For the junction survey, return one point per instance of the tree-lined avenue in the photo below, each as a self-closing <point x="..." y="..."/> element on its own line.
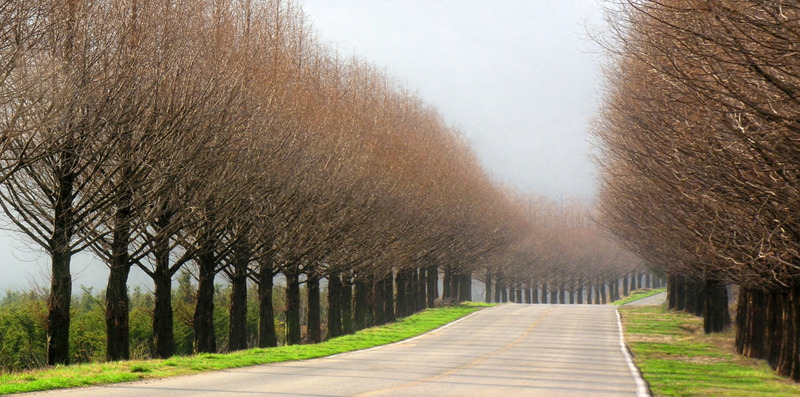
<point x="509" y="350"/>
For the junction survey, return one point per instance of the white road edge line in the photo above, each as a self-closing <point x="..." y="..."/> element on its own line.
<point x="409" y="339"/>
<point x="641" y="386"/>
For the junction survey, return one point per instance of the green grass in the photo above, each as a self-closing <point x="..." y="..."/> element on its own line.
<point x="638" y="294"/>
<point x="123" y="371"/>
<point x="677" y="359"/>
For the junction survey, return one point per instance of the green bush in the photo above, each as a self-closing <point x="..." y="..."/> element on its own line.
<point x="23" y="318"/>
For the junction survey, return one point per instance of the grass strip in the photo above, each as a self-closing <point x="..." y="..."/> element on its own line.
<point x="124" y="371"/>
<point x="678" y="359"/>
<point x="638" y="294"/>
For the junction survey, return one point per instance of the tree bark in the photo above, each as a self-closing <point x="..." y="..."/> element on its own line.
<point x="293" y="335"/>
<point x="388" y="299"/>
<point x="117" y="320"/>
<point x="680" y="293"/>
<point x="488" y="285"/>
<point x="447" y="290"/>
<point x="163" y="333"/>
<point x="58" y="303"/>
<point x="378" y="305"/>
<point x="361" y="303"/>
<point x="465" y="287"/>
<point x="313" y="323"/>
<point x="347" y="306"/>
<point x="204" y="339"/>
<point x="625" y="285"/>
<point x="528" y="296"/>
<point x="603" y="297"/>
<point x="334" y="305"/>
<point x="267" y="335"/>
<point x="432" y="288"/>
<point x="498" y="285"/>
<point x="716" y="317"/>
<point x="237" y="323"/>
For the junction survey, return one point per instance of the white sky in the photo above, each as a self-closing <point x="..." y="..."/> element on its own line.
<point x="519" y="78"/>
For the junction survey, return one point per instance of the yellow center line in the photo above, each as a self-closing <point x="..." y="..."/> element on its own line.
<point x="465" y="366"/>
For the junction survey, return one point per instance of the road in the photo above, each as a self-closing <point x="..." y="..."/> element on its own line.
<point x="654" y="300"/>
<point x="508" y="350"/>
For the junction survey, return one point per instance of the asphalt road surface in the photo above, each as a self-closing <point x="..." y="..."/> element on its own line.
<point x="508" y="350"/>
<point x="654" y="300"/>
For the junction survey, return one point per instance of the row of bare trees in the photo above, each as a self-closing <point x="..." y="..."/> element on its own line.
<point x="560" y="256"/>
<point x="222" y="137"/>
<point x="700" y="159"/>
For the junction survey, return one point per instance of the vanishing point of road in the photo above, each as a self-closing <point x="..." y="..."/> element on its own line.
<point x="507" y="350"/>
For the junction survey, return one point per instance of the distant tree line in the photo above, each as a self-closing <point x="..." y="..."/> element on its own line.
<point x="701" y="160"/>
<point x="561" y="256"/>
<point x="220" y="136"/>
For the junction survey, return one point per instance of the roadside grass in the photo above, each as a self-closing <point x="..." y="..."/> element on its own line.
<point x="678" y="359"/>
<point x="638" y="294"/>
<point x="124" y="371"/>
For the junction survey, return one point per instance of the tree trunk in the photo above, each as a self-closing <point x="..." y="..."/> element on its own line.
<point x="237" y="324"/>
<point x="58" y="303"/>
<point x="117" y="320"/>
<point x="534" y="292"/>
<point x="293" y="335"/>
<point x="347" y="306"/>
<point x="488" y="285"/>
<point x="695" y="298"/>
<point x="528" y="296"/>
<point x="267" y="335"/>
<point x="388" y="299"/>
<point x="432" y="288"/>
<point x="672" y="292"/>
<point x="400" y="287"/>
<point x="716" y="317"/>
<point x="498" y="285"/>
<point x="334" y="305"/>
<point x="313" y="322"/>
<point x="571" y="292"/>
<point x="204" y="339"/>
<point x="544" y="292"/>
<point x="788" y="357"/>
<point x="163" y="334"/>
<point x="680" y="293"/>
<point x="378" y="305"/>
<point x="603" y="296"/>
<point x="625" y="286"/>
<point x="447" y="290"/>
<point x="751" y="323"/>
<point x="422" y="294"/>
<point x="775" y="314"/>
<point x="465" y="287"/>
<point x="362" y="304"/>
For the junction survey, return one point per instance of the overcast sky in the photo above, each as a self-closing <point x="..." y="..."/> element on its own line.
<point x="520" y="79"/>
